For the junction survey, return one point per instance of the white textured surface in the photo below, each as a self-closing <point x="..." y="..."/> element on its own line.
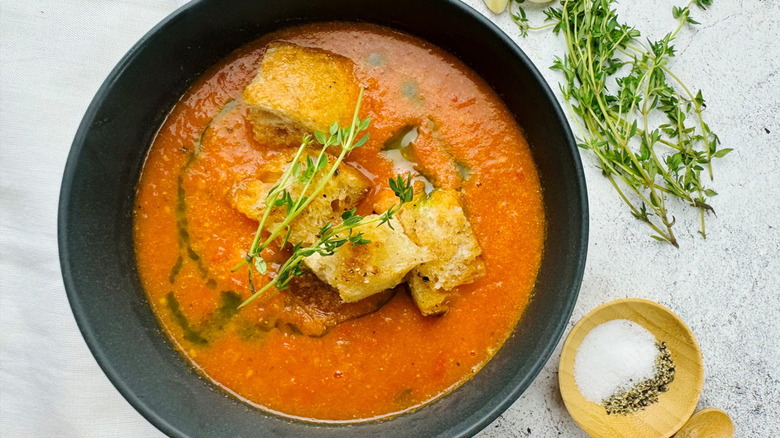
<point x="55" y="54"/>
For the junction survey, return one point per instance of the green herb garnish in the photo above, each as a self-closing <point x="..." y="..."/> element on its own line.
<point x="646" y="161"/>
<point x="331" y="236"/>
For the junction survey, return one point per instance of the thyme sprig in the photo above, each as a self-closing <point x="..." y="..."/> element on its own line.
<point x="306" y="172"/>
<point x="646" y="161"/>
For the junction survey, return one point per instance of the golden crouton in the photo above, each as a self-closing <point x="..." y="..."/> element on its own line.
<point x="364" y="270"/>
<point x="273" y="131"/>
<point x="299" y="90"/>
<point x="430" y="301"/>
<point x="341" y="193"/>
<point x="438" y="224"/>
<point x="313" y="307"/>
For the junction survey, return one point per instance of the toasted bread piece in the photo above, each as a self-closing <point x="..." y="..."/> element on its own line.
<point x="438" y="224"/>
<point x="273" y="131"/>
<point x="341" y="193"/>
<point x="299" y="90"/>
<point x="364" y="270"/>
<point x="429" y="300"/>
<point x="313" y="307"/>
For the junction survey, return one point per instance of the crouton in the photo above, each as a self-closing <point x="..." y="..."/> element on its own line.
<point x="429" y="300"/>
<point x="273" y="131"/>
<point x="364" y="270"/>
<point x="313" y="307"/>
<point x="341" y="193"/>
<point x="438" y="224"/>
<point x="299" y="90"/>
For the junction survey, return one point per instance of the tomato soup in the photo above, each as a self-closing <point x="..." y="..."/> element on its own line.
<point x="392" y="359"/>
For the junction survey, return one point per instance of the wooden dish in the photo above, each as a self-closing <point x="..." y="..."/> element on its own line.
<point x="674" y="407"/>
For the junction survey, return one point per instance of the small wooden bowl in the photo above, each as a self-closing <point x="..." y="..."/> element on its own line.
<point x="674" y="407"/>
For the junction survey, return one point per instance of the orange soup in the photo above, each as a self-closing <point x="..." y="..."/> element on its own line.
<point x="385" y="357"/>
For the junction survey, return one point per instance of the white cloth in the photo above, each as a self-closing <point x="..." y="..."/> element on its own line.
<point x="53" y="57"/>
<point x="54" y="54"/>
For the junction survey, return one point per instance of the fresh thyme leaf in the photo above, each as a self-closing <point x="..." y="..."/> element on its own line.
<point x="402" y="188"/>
<point x="297" y="169"/>
<point x="323" y="161"/>
<point x="320" y="137"/>
<point x="260" y="265"/>
<point x="362" y="141"/>
<point x="404" y="191"/>
<point x="358" y="239"/>
<point x="364" y="124"/>
<point x="722" y="153"/>
<point x="646" y="162"/>
<point x="286" y="239"/>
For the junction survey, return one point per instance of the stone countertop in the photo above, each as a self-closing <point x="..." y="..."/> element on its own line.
<point x="55" y="55"/>
<point x="727" y="287"/>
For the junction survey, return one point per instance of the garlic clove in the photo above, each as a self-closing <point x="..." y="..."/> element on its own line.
<point x="497" y="6"/>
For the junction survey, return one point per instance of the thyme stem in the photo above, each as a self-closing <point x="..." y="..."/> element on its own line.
<point x="647" y="162"/>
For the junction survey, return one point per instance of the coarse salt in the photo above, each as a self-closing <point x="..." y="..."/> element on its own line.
<point x="613" y="357"/>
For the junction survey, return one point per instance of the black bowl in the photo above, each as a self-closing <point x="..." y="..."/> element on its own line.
<point x="96" y="203"/>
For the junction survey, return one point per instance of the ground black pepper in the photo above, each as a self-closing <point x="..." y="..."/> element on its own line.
<point x="646" y="392"/>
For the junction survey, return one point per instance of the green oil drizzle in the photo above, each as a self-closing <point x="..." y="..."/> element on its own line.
<point x="190" y="334"/>
<point x="213" y="326"/>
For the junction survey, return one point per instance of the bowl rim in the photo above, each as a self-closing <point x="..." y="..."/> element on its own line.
<point x="69" y="173"/>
